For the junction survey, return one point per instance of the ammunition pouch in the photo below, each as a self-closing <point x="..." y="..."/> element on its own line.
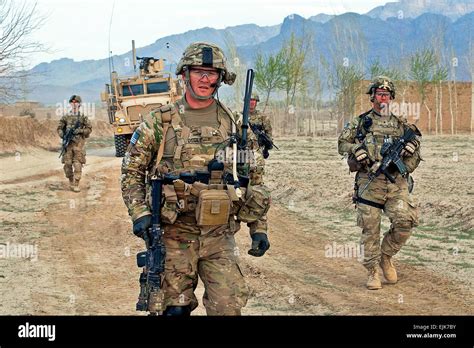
<point x="169" y="212"/>
<point x="211" y="204"/>
<point x="213" y="208"/>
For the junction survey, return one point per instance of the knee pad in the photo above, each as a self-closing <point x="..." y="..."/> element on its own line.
<point x="402" y="226"/>
<point x="177" y="311"/>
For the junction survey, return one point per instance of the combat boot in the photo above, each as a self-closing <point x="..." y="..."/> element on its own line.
<point x="373" y="281"/>
<point x="389" y="271"/>
<point x="75" y="186"/>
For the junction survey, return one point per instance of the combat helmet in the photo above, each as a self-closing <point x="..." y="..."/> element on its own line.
<point x="75" y="98"/>
<point x="382" y="82"/>
<point x="255" y="96"/>
<point x="206" y="55"/>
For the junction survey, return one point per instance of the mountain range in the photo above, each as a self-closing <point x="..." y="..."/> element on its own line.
<point x="383" y="34"/>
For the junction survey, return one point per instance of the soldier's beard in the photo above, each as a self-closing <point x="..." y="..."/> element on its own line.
<point x="382" y="108"/>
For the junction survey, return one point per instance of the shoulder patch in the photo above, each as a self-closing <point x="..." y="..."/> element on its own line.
<point x="135" y="137"/>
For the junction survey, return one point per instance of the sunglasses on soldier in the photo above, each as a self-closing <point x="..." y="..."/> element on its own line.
<point x="382" y="94"/>
<point x="200" y="73"/>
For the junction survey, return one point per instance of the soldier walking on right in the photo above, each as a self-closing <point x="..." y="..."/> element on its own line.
<point x="362" y="140"/>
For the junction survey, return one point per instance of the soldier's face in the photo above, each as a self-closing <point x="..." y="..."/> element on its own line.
<point x="253" y="104"/>
<point x="382" y="99"/>
<point x="75" y="106"/>
<point x="203" y="80"/>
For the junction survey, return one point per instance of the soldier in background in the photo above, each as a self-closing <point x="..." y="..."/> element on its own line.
<point x="362" y="140"/>
<point x="182" y="139"/>
<point x="259" y="118"/>
<point x="75" y="154"/>
<point x="262" y="121"/>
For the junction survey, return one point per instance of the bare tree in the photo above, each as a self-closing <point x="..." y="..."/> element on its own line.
<point x="376" y="69"/>
<point x="425" y="70"/>
<point x="470" y="64"/>
<point x="237" y="66"/>
<point x="349" y="54"/>
<point x="295" y="52"/>
<point x="18" y="21"/>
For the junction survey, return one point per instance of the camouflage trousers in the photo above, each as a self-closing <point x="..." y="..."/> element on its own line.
<point x="400" y="208"/>
<point x="257" y="173"/>
<point x="74" y="158"/>
<point x="211" y="254"/>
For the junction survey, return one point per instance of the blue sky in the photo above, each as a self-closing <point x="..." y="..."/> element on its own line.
<point x="79" y="29"/>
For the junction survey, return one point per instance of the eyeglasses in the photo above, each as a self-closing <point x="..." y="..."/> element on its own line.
<point x="382" y="94"/>
<point x="211" y="74"/>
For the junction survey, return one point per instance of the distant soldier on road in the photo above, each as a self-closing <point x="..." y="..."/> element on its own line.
<point x="74" y="128"/>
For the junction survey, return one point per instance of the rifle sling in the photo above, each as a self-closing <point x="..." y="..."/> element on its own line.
<point x="367" y="202"/>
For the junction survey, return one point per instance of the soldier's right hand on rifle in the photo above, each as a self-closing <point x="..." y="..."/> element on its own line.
<point x="141" y="226"/>
<point x="410" y="148"/>
<point x="361" y="154"/>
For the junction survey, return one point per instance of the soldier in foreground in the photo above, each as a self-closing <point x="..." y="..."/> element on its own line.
<point x="200" y="213"/>
<point x="73" y="129"/>
<point x="366" y="140"/>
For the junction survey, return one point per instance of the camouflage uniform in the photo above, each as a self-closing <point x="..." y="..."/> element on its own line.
<point x="393" y="198"/>
<point x="258" y="118"/>
<point x="191" y="139"/>
<point x="75" y="155"/>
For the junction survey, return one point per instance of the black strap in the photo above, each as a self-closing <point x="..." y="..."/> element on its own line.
<point x="372" y="204"/>
<point x="359" y="135"/>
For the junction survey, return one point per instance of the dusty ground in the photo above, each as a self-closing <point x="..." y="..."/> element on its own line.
<point x="86" y="252"/>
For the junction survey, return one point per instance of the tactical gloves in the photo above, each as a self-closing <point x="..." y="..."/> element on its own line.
<point x="410" y="148"/>
<point x="360" y="154"/>
<point x="78" y="131"/>
<point x="141" y="226"/>
<point x="260" y="244"/>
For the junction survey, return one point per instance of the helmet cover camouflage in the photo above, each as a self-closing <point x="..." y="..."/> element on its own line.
<point x="381" y="82"/>
<point x="75" y="98"/>
<point x="207" y="55"/>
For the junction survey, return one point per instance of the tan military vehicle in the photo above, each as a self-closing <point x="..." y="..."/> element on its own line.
<point x="130" y="98"/>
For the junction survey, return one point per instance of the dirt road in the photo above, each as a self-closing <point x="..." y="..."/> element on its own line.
<point x="85" y="259"/>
